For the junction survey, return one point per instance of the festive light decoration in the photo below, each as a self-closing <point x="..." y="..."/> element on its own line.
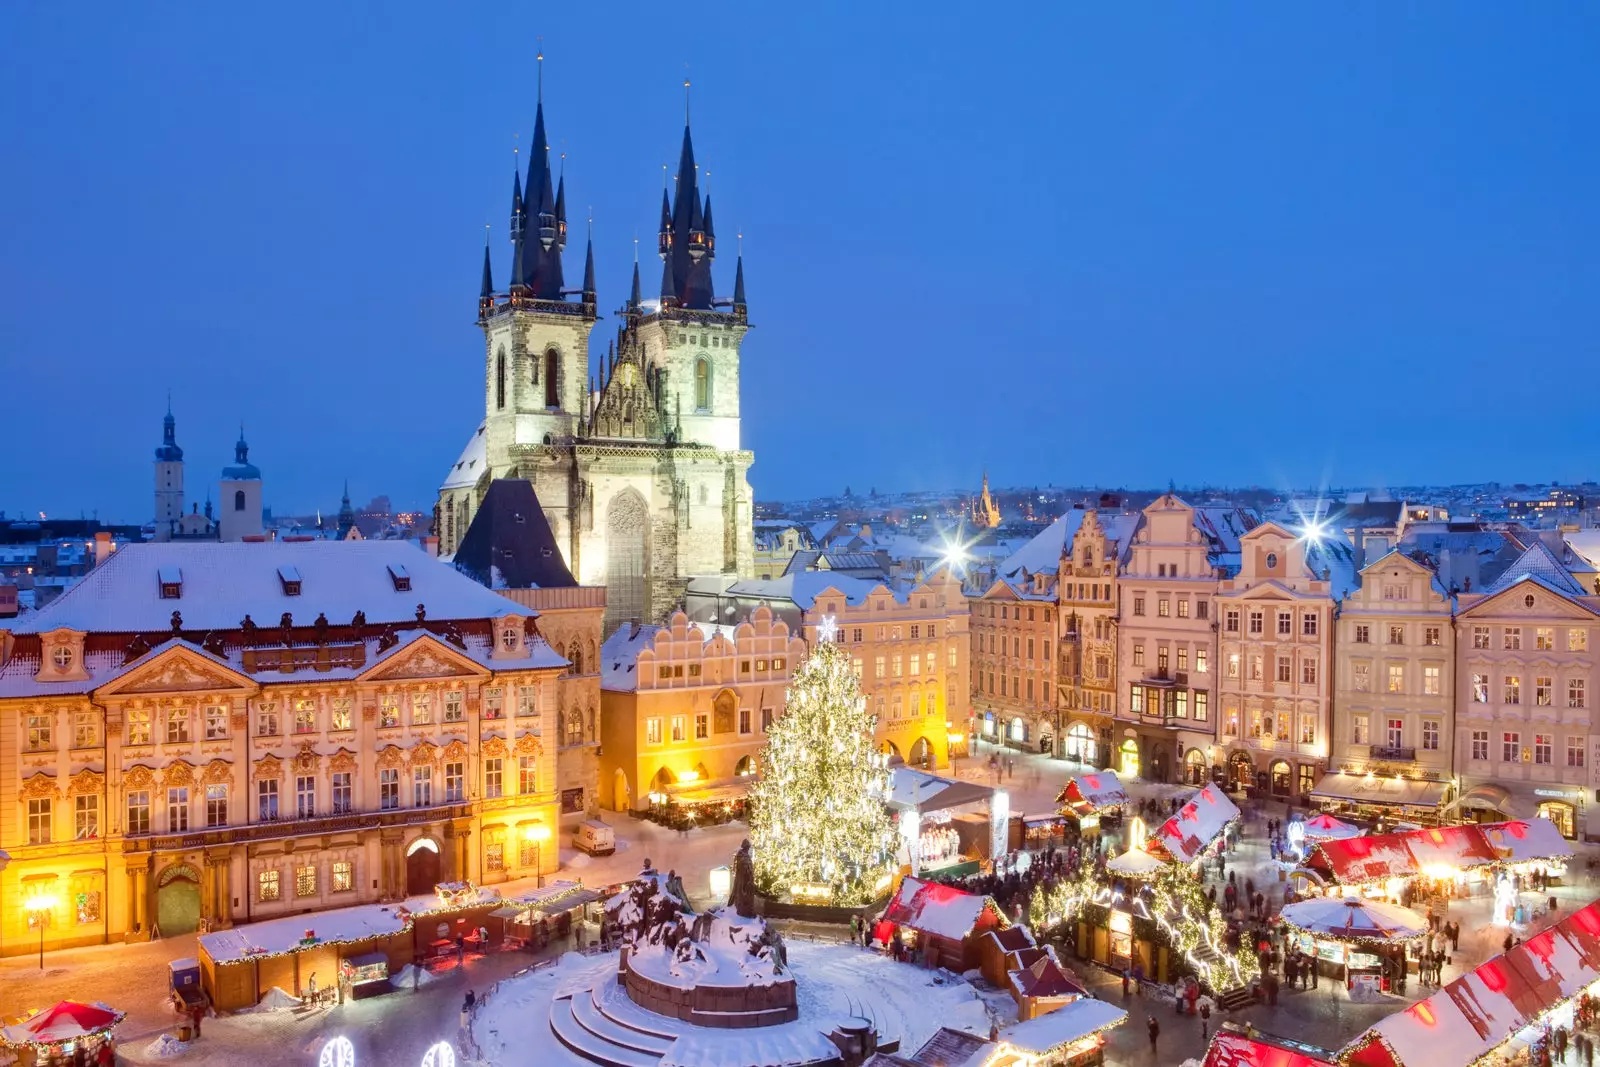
<point x="440" y="1055"/>
<point x="818" y="817"/>
<point x="1176" y="913"/>
<point x="338" y="1052"/>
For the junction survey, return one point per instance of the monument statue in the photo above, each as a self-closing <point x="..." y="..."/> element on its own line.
<point x="742" y="894"/>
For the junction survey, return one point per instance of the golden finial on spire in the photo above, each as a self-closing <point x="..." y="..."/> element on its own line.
<point x="539" y="56"/>
<point x="686" y="94"/>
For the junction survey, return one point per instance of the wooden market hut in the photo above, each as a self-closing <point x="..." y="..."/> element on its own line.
<point x="947" y="920"/>
<point x="239" y="966"/>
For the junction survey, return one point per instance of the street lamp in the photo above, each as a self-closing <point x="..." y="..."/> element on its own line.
<point x="538" y="834"/>
<point x="39" y="908"/>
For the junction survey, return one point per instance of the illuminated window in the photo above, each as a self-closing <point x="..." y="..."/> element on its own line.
<point x="1432" y="681"/>
<point x="344" y="876"/>
<point x="1543" y="689"/>
<point x="177" y="726"/>
<point x="1397" y="678"/>
<point x="652" y="731"/>
<point x="1510" y="747"/>
<point x="85" y="817"/>
<point x="216" y="722"/>
<point x="41" y="731"/>
<point x="1544" y="638"/>
<point x="138" y="821"/>
<point x="527" y="775"/>
<point x="305" y="881"/>
<point x="305" y="716"/>
<point x="267" y="887"/>
<point x="341" y="714"/>
<point x="422" y="709"/>
<point x="1513" y="690"/>
<point x="1577" y="640"/>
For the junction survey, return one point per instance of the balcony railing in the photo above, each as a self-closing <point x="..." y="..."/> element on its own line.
<point x="291" y="827"/>
<point x="1392" y="752"/>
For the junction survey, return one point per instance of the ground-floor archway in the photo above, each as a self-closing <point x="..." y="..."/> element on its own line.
<point x="745" y="767"/>
<point x="1017" y="731"/>
<point x="178" y="900"/>
<point x="422" y="867"/>
<point x="1128" y="759"/>
<point x="1160" y="763"/>
<point x="1241" y="771"/>
<point x="1081" y="746"/>
<point x="890" y="749"/>
<point x="921" y="753"/>
<point x="1194" y="767"/>
<point x="1282" y="778"/>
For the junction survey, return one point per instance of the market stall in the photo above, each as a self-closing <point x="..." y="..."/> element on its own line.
<point x="70" y="1032"/>
<point x="947" y="922"/>
<point x="1135" y="863"/>
<point x="534" y="918"/>
<point x="1507" y="1008"/>
<point x="1072" y="1035"/>
<point x="239" y="966"/>
<point x="1087" y="798"/>
<point x="1447" y="861"/>
<point x="1040" y="831"/>
<point x="946" y="822"/>
<point x="1389" y="797"/>
<point x="1347" y="937"/>
<point x="1233" y="1047"/>
<point x="1325" y="827"/>
<point x="1197" y="828"/>
<point x="366" y="975"/>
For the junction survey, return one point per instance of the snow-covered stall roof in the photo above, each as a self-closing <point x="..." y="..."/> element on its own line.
<point x="1071" y="1022"/>
<point x="278" y="936"/>
<point x="910" y="788"/>
<point x="1524" y="841"/>
<point x="1364" y="859"/>
<point x="1451" y="846"/>
<point x="1198" y="823"/>
<point x="1485" y="1008"/>
<point x="1231" y="1049"/>
<point x="66" y="1021"/>
<point x="941" y="910"/>
<point x="1093" y="792"/>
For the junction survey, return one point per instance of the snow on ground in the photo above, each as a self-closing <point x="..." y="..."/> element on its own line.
<point x="834" y="982"/>
<point x="165" y="1047"/>
<point x="275" y="1000"/>
<point x="411" y="977"/>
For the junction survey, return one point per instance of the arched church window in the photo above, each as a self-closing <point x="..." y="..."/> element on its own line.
<point x="702" y="385"/>
<point x="551" y="398"/>
<point x="238" y="500"/>
<point x="500" y="379"/>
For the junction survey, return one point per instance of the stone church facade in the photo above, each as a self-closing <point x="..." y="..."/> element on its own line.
<point x="634" y="454"/>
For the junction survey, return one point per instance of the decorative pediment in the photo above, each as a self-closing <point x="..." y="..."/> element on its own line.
<point x="177" y="670"/>
<point x="425" y="658"/>
<point x="177" y="774"/>
<point x="268" y="769"/>
<point x="425" y="752"/>
<point x="86" y="782"/>
<point x="218" y="772"/>
<point x="306" y="760"/>
<point x="391" y="758"/>
<point x="496" y="748"/>
<point x="528" y="745"/>
<point x="1511" y="603"/>
<point x="342" y="761"/>
<point x="40" y="787"/>
<point x="139" y="777"/>
<point x="456" y="750"/>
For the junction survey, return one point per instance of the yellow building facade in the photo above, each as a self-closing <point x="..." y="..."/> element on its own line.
<point x="224" y="772"/>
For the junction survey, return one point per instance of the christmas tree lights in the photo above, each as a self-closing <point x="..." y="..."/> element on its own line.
<point x="819" y="827"/>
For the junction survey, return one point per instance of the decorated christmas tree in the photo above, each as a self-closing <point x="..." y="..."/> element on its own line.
<point x="819" y="826"/>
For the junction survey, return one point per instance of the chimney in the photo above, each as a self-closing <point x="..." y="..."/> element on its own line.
<point x="430" y="545"/>
<point x="103" y="546"/>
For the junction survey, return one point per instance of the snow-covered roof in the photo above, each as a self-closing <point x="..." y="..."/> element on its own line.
<point x="472" y="462"/>
<point x="1043" y="552"/>
<point x="803" y="587"/>
<point x="276" y="936"/>
<point x="940" y="910"/>
<point x="1539" y="563"/>
<point x="910" y="788"/>
<point x="1095" y="792"/>
<point x="1524" y="841"/>
<point x="1198" y="823"/>
<point x="619" y="656"/>
<point x="222" y="582"/>
<point x="1071" y="1022"/>
<point x="1236" y="1049"/>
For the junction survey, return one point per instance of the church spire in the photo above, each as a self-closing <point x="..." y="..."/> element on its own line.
<point x="536" y="270"/>
<point x="685" y="245"/>
<point x="635" y="302"/>
<point x="589" y="294"/>
<point x="486" y="291"/>
<point x="516" y="195"/>
<point x="739" y="305"/>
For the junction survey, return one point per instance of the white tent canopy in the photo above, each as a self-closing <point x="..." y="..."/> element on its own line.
<point x="1350" y="919"/>
<point x="1135" y="862"/>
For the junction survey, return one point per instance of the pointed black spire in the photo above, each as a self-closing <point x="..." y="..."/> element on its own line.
<point x="669" y="290"/>
<point x="169" y="451"/>
<point x="486" y="291"/>
<point x="711" y="232"/>
<point x="519" y="281"/>
<point x="516" y="196"/>
<point x="635" y="302"/>
<point x="589" y="294"/>
<point x="738" y="285"/>
<point x="561" y="205"/>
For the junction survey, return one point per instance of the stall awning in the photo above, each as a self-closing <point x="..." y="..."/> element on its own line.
<point x="712" y="794"/>
<point x="1375" y="789"/>
<point x="1486" y="798"/>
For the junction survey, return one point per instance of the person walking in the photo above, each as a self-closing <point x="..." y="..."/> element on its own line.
<point x="1155" y="1031"/>
<point x="467" y="1003"/>
<point x="1205" y="1021"/>
<point x="1125" y="982"/>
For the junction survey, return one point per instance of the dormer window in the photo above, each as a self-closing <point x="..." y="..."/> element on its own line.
<point x="62" y="658"/>
<point x="290" y="579"/>
<point x="508" y="639"/>
<point x="400" y="577"/>
<point x="171" y="580"/>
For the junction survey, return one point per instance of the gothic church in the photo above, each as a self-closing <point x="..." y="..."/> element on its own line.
<point x="634" y="456"/>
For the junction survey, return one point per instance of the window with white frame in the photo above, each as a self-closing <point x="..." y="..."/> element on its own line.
<point x="342" y="793"/>
<point x="422" y="787"/>
<point x="421" y="709"/>
<point x="1480" y="746"/>
<point x="85" y="816"/>
<point x="138" y="818"/>
<point x="527" y="775"/>
<point x="1575" y="746"/>
<point x="216" y="722"/>
<point x="1510" y="747"/>
<point x="1543" y="691"/>
<point x="216" y="806"/>
<point x="1542" y="749"/>
<point x="1577" y="640"/>
<point x="455" y="782"/>
<point x="1544" y="638"/>
<point x="1576" y="696"/>
<point x="267" y="799"/>
<point x="1430" y="735"/>
<point x="339" y="714"/>
<point x="178" y="809"/>
<point x="1285" y="623"/>
<point x="388" y="789"/>
<point x="177" y="726"/>
<point x="1359" y="732"/>
<point x="1511" y="638"/>
<point x="1394" y="732"/>
<point x="1480" y="637"/>
<point x="305" y="796"/>
<point x="1480" y="689"/>
<point x="454" y="706"/>
<point x="1512" y="690"/>
<point x="1308" y="624"/>
<point x="267" y="719"/>
<point x="1432" y="680"/>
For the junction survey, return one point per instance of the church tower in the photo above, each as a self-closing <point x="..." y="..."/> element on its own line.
<point x="169" y="479"/>
<point x="536" y="340"/>
<point x="241" y="497"/>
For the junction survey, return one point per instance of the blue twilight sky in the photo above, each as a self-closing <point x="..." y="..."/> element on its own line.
<point x="1224" y="243"/>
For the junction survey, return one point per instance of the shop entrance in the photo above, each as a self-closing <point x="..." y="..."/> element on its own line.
<point x="1282" y="776"/>
<point x="1129" y="764"/>
<point x="1241" y="772"/>
<point x="1562" y="815"/>
<point x="1081" y="745"/>
<point x="1194" y="765"/>
<point x="920" y="753"/>
<point x="1159" y="763"/>
<point x="422" y="867"/>
<point x="178" y="901"/>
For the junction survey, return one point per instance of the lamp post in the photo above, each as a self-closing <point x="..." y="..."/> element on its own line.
<point x="39" y="909"/>
<point x="538" y="834"/>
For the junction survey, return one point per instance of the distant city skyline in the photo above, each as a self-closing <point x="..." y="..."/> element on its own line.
<point x="1252" y="246"/>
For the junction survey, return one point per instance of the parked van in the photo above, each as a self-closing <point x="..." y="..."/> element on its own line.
<point x="594" y="837"/>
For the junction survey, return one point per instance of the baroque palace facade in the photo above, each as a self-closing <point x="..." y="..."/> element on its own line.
<point x="219" y="733"/>
<point x="635" y="455"/>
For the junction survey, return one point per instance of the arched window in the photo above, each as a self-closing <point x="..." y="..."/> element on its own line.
<point x="552" y="398"/>
<point x="702" y="385"/>
<point x="500" y="379"/>
<point x="238" y="500"/>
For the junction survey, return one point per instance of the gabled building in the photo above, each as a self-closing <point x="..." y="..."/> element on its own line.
<point x="1276" y="652"/>
<point x="1525" y="694"/>
<point x="230" y="732"/>
<point x="1393" y="734"/>
<point x="1167" y="634"/>
<point x="1087" y="668"/>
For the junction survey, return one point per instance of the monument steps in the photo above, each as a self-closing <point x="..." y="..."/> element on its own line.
<point x="583" y="1042"/>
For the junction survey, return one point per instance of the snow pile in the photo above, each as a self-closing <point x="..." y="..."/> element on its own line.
<point x="411" y="976"/>
<point x="276" y="1000"/>
<point x="166" y="1047"/>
